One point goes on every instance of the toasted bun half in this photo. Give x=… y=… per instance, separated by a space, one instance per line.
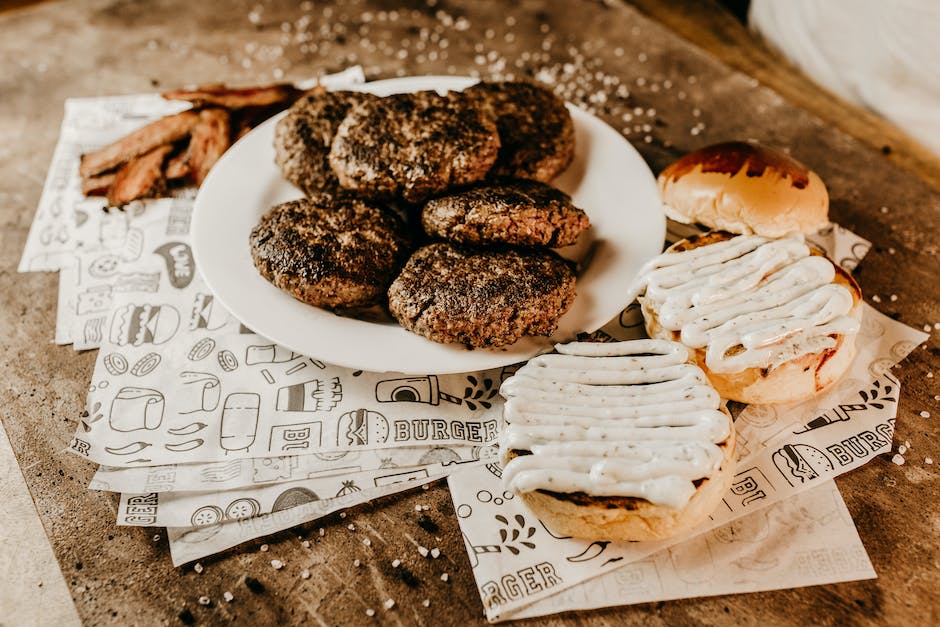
x=625 y=518
x=745 y=188
x=796 y=380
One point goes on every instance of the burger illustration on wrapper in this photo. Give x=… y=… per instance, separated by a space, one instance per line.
x=360 y=427
x=206 y=314
x=801 y=463
x=136 y=325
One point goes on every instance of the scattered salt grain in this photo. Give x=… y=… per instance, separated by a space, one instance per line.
x=417 y=508
x=370 y=612
x=891 y=251
x=925 y=414
x=423 y=551
x=342 y=514
x=425 y=486
x=426 y=603
x=396 y=563
x=351 y=527
x=876 y=298
x=425 y=508
x=198 y=568
x=367 y=541
x=907 y=443
x=936 y=325
x=928 y=460
x=897 y=459
x=435 y=552
x=445 y=577
x=884 y=210
x=305 y=574
x=204 y=601
x=228 y=596
x=264 y=548
x=156 y=538
x=927 y=328
x=389 y=604
x=277 y=564
x=322 y=532
x=902 y=449
x=357 y=563
x=894 y=297
x=306 y=544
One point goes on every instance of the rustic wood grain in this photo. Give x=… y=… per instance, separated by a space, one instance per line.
x=121 y=575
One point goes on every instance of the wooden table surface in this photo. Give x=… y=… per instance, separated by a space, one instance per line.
x=680 y=98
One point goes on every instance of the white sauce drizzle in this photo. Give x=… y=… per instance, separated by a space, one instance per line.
x=770 y=298
x=612 y=419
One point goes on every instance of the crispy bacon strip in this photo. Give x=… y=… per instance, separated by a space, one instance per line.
x=163 y=131
x=178 y=166
x=210 y=139
x=230 y=98
x=98 y=185
x=141 y=177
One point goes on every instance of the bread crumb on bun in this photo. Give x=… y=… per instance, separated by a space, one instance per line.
x=745 y=188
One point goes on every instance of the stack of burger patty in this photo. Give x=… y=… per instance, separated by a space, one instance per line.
x=436 y=206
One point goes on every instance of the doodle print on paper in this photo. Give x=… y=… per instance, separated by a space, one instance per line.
x=426 y=389
x=218 y=473
x=207 y=314
x=184 y=447
x=269 y=354
x=201 y=349
x=801 y=463
x=190 y=429
x=97 y=299
x=440 y=455
x=313 y=395
x=207 y=515
x=104 y=266
x=296 y=438
x=516 y=533
x=136 y=325
x=93 y=331
x=270 y=469
x=293 y=497
x=200 y=391
x=875 y=397
x=180 y=266
x=146 y=364
x=749 y=486
x=361 y=427
x=137 y=282
x=135 y=409
x=418 y=474
x=242 y=508
x=227 y=361
x=239 y=421
x=115 y=364
x=348 y=487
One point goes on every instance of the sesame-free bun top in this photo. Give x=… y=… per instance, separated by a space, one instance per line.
x=743 y=187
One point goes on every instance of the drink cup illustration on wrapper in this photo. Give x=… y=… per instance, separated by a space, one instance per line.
x=413 y=390
x=239 y=421
x=361 y=427
x=269 y=354
x=137 y=325
x=135 y=409
x=313 y=395
x=207 y=313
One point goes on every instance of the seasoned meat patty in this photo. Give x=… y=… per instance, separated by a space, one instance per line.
x=481 y=297
x=535 y=129
x=332 y=251
x=302 y=138
x=511 y=211
x=414 y=145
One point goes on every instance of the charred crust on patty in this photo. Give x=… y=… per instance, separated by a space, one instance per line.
x=510 y=211
x=302 y=138
x=491 y=297
x=535 y=129
x=414 y=145
x=330 y=250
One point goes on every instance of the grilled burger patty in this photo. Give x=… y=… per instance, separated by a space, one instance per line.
x=303 y=137
x=535 y=128
x=333 y=251
x=491 y=297
x=414 y=145
x=510 y=211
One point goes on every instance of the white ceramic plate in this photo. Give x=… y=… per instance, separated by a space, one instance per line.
x=608 y=179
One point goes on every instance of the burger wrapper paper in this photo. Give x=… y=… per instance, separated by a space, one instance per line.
x=64 y=218
x=787 y=456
